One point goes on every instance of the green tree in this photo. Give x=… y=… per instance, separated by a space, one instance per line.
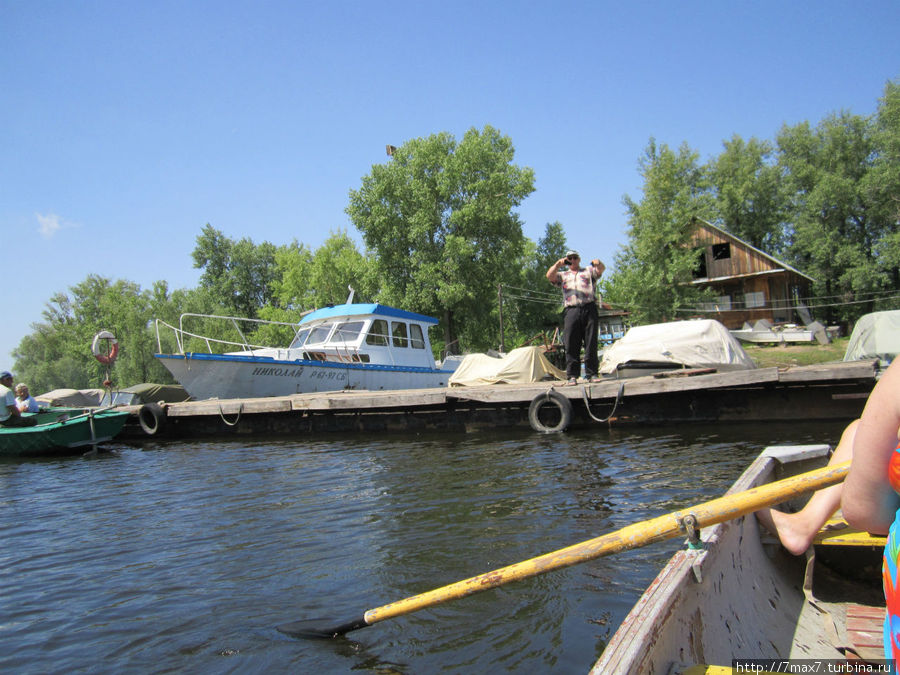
x=309 y=280
x=439 y=220
x=882 y=183
x=336 y=266
x=836 y=231
x=58 y=353
x=750 y=199
x=238 y=274
x=293 y=289
x=654 y=268
x=531 y=305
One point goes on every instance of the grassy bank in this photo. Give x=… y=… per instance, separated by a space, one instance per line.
x=805 y=354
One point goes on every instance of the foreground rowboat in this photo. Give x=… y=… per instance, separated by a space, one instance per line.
x=61 y=431
x=740 y=596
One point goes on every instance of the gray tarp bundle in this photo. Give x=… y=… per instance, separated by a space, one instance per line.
x=875 y=336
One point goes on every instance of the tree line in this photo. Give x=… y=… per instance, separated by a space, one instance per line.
x=442 y=237
x=824 y=198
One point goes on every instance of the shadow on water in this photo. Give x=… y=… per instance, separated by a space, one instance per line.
x=173 y=557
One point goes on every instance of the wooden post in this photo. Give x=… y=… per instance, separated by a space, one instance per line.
x=500 y=300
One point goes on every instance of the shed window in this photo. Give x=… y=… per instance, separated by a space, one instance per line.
x=721 y=251
x=757 y=299
x=699 y=271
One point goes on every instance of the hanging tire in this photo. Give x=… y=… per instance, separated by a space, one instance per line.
x=152 y=418
x=550 y=413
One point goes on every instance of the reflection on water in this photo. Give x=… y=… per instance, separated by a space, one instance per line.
x=185 y=556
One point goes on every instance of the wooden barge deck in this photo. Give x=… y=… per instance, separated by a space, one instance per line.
x=828 y=391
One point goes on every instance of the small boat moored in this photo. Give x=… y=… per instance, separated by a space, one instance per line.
x=349 y=346
x=61 y=431
x=739 y=597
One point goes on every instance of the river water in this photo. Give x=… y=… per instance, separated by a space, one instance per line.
x=185 y=556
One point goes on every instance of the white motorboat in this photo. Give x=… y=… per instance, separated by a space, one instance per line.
x=348 y=346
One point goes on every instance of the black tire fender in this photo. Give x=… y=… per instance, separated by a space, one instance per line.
x=152 y=418
x=550 y=398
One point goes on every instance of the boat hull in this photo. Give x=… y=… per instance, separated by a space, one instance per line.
x=61 y=432
x=740 y=597
x=236 y=376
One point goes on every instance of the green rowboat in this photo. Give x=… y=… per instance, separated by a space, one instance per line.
x=61 y=431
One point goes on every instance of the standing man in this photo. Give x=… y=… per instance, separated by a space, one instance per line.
x=9 y=411
x=580 y=298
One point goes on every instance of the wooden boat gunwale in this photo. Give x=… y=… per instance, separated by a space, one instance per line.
x=739 y=597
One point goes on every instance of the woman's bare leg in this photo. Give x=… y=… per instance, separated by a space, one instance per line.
x=797 y=530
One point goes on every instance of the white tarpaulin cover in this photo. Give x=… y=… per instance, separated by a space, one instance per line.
x=875 y=336
x=522 y=365
x=692 y=344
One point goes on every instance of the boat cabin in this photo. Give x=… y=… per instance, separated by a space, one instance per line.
x=363 y=333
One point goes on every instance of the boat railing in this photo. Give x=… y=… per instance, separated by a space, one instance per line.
x=341 y=350
x=181 y=335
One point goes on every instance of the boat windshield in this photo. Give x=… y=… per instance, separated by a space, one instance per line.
x=347 y=332
x=319 y=334
x=300 y=338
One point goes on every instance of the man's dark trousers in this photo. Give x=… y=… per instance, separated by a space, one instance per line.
x=581 y=328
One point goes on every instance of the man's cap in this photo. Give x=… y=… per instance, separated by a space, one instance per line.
x=5 y=374
x=572 y=253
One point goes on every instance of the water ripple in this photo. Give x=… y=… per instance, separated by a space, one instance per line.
x=183 y=557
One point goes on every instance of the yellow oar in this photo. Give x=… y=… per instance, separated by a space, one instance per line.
x=629 y=537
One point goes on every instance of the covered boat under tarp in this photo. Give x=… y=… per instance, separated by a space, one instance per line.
x=522 y=365
x=147 y=392
x=71 y=398
x=875 y=336
x=679 y=344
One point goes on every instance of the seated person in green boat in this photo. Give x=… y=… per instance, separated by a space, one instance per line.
x=9 y=411
x=24 y=400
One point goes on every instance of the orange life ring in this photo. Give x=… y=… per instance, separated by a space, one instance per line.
x=103 y=357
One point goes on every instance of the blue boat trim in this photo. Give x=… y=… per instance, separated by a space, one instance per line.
x=359 y=309
x=267 y=360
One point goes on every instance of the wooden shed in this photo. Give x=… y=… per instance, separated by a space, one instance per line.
x=749 y=284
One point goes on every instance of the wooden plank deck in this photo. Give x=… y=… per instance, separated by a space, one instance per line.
x=833 y=391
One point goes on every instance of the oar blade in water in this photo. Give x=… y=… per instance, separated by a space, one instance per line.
x=639 y=534
x=324 y=629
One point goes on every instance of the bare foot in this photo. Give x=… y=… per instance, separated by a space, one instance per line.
x=788 y=527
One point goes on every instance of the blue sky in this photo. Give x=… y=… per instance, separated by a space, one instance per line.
x=126 y=126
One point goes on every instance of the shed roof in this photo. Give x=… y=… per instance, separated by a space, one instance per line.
x=775 y=261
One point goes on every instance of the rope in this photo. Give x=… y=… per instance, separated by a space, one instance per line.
x=236 y=419
x=587 y=405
